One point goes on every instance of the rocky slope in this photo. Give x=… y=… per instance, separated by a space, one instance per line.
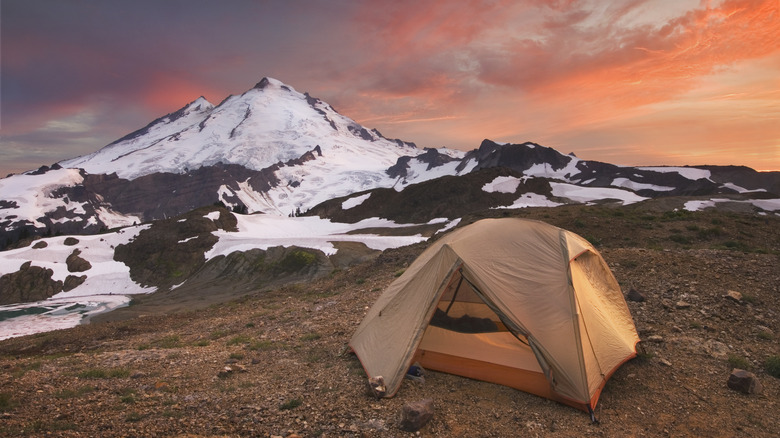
x=273 y=364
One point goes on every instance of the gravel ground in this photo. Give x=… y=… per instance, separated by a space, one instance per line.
x=273 y=364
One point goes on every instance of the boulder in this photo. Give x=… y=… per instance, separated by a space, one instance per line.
x=28 y=284
x=76 y=263
x=70 y=241
x=744 y=382
x=415 y=415
x=72 y=282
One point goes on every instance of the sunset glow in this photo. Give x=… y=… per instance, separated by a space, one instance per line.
x=627 y=82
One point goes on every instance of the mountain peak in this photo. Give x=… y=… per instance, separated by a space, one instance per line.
x=266 y=81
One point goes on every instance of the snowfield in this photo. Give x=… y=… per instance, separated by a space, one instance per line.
x=108 y=282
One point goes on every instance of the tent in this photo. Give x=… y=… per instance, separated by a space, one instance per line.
x=511 y=301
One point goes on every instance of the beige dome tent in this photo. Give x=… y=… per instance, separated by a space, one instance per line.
x=511 y=301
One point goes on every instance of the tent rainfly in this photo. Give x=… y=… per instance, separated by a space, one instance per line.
x=511 y=301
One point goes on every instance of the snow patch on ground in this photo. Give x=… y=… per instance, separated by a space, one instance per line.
x=266 y=231
x=354 y=201
x=690 y=173
x=107 y=284
x=739 y=189
x=532 y=200
x=590 y=194
x=633 y=185
x=502 y=184
x=764 y=204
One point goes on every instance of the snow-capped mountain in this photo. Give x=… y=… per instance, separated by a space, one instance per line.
x=275 y=150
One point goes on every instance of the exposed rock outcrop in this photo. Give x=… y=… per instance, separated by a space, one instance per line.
x=29 y=283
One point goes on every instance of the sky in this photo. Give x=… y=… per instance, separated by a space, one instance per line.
x=629 y=82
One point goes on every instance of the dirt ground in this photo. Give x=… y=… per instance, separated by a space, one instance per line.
x=160 y=374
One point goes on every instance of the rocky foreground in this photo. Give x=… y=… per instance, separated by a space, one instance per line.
x=704 y=292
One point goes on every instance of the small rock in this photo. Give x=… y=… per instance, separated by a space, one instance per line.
x=227 y=371
x=744 y=381
x=734 y=296
x=377 y=386
x=415 y=415
x=655 y=338
x=635 y=295
x=70 y=241
x=682 y=305
x=376 y=424
x=664 y=362
x=40 y=244
x=716 y=349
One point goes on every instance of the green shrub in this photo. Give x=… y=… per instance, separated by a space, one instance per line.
x=102 y=373
x=679 y=238
x=239 y=340
x=170 y=341
x=310 y=337
x=6 y=402
x=73 y=393
x=772 y=366
x=291 y=404
x=738 y=362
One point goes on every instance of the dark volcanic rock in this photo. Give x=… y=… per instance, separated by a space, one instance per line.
x=29 y=283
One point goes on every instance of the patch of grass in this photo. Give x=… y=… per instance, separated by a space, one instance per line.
x=22 y=369
x=171 y=414
x=203 y=343
x=399 y=273
x=217 y=334
x=772 y=366
x=236 y=356
x=749 y=299
x=360 y=281
x=170 y=341
x=249 y=325
x=39 y=426
x=316 y=355
x=73 y=393
x=6 y=402
x=310 y=337
x=134 y=417
x=262 y=345
x=709 y=233
x=679 y=238
x=103 y=373
x=765 y=335
x=738 y=362
x=143 y=347
x=239 y=340
x=295 y=261
x=290 y=404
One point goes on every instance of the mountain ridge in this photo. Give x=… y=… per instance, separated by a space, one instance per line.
x=277 y=151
